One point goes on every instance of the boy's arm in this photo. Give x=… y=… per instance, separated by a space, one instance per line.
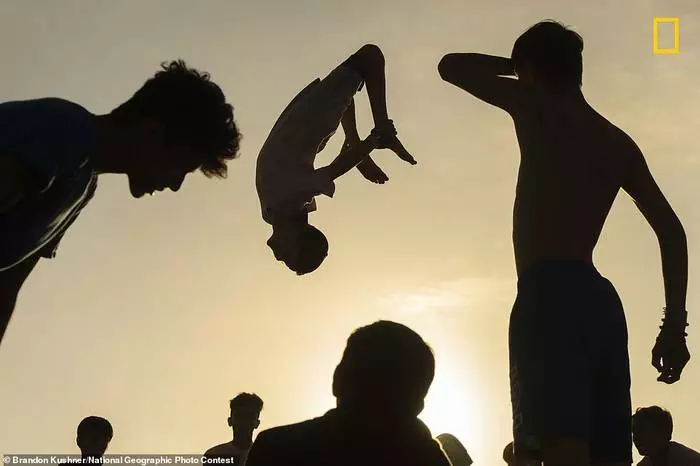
x=651 y=202
x=349 y=157
x=483 y=77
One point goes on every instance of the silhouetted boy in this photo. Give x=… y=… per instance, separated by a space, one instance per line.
x=244 y=418
x=379 y=386
x=652 y=429
x=570 y=376
x=93 y=437
x=286 y=179
x=52 y=151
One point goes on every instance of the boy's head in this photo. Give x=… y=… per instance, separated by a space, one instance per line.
x=94 y=435
x=178 y=122
x=652 y=429
x=550 y=54
x=386 y=368
x=302 y=247
x=245 y=413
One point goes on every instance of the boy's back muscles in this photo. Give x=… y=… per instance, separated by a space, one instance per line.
x=573 y=163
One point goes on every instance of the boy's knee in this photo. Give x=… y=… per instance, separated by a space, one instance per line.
x=371 y=51
x=368 y=56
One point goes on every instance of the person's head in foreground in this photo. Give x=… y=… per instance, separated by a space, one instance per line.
x=302 y=247
x=549 y=55
x=178 y=122
x=511 y=460
x=385 y=372
x=455 y=451
x=652 y=428
x=245 y=414
x=94 y=435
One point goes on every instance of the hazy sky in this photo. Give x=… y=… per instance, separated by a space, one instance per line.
x=157 y=311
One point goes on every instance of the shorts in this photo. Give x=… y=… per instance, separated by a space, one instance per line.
x=569 y=363
x=314 y=115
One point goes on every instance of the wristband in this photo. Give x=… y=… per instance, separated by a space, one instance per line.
x=677 y=325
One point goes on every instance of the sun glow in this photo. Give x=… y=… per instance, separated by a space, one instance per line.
x=452 y=406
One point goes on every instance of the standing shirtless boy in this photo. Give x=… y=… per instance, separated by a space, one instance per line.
x=570 y=378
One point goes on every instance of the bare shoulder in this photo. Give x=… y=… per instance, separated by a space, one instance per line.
x=633 y=164
x=221 y=449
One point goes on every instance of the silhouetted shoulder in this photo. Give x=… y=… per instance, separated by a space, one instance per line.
x=285 y=444
x=217 y=450
x=292 y=433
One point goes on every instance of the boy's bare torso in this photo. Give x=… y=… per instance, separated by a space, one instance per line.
x=572 y=165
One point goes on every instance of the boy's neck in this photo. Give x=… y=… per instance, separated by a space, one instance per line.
x=242 y=442
x=660 y=458
x=109 y=146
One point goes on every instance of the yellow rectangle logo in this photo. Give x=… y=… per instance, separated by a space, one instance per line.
x=676 y=35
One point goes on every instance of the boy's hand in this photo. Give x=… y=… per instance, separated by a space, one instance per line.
x=669 y=356
x=387 y=139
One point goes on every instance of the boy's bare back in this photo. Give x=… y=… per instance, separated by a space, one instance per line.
x=573 y=163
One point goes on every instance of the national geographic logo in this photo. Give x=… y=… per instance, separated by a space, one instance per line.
x=676 y=36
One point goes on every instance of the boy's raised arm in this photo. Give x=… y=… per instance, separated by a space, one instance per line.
x=483 y=76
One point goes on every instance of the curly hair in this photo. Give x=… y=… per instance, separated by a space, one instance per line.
x=194 y=111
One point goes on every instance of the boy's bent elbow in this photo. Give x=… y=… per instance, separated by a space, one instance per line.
x=445 y=66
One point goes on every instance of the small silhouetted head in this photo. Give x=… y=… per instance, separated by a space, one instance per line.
x=550 y=53
x=303 y=247
x=177 y=122
x=244 y=417
x=386 y=368
x=508 y=454
x=652 y=429
x=94 y=435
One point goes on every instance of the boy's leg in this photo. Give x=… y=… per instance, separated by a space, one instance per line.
x=369 y=62
x=565 y=451
x=551 y=369
x=367 y=167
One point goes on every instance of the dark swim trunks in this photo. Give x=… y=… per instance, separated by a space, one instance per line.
x=569 y=365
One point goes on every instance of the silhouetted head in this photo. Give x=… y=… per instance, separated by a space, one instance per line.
x=652 y=428
x=386 y=370
x=550 y=54
x=245 y=413
x=178 y=122
x=302 y=247
x=508 y=454
x=94 y=435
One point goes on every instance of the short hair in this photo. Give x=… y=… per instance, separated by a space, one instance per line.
x=246 y=400
x=194 y=111
x=95 y=425
x=553 y=50
x=387 y=363
x=313 y=250
x=656 y=416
